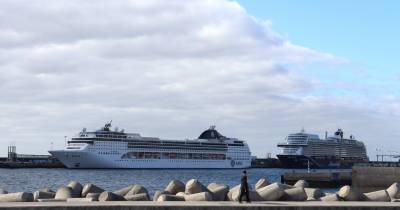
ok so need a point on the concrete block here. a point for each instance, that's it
(261, 183)
(348, 193)
(166, 197)
(137, 197)
(330, 197)
(193, 186)
(43, 195)
(231, 191)
(272, 192)
(47, 189)
(295, 194)
(109, 196)
(91, 188)
(64, 193)
(313, 193)
(16, 197)
(253, 195)
(394, 190)
(137, 189)
(284, 186)
(301, 183)
(2, 191)
(158, 193)
(182, 194)
(80, 199)
(123, 191)
(218, 191)
(94, 196)
(76, 189)
(201, 196)
(175, 186)
(381, 195)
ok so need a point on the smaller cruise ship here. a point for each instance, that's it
(304, 150)
(107, 148)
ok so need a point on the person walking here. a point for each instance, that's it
(244, 188)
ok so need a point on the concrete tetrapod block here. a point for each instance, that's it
(17, 197)
(2, 191)
(91, 188)
(76, 189)
(394, 190)
(295, 194)
(284, 186)
(47, 189)
(348, 193)
(218, 191)
(158, 193)
(381, 195)
(109, 196)
(193, 186)
(94, 196)
(253, 195)
(80, 200)
(330, 197)
(137, 189)
(123, 191)
(64, 193)
(272, 192)
(261, 183)
(166, 197)
(175, 186)
(313, 193)
(137, 197)
(201, 196)
(301, 183)
(43, 195)
(231, 191)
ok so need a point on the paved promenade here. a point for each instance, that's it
(148, 205)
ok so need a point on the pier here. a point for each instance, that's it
(329, 179)
(15, 160)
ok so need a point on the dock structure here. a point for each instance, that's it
(15, 160)
(176, 205)
(376, 177)
(327, 179)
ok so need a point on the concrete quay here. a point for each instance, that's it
(176, 205)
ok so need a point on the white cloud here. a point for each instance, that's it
(162, 68)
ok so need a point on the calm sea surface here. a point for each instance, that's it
(31, 180)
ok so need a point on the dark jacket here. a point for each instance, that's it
(244, 184)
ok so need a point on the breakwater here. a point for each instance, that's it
(194, 191)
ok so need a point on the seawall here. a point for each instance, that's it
(366, 178)
(141, 205)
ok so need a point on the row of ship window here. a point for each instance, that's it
(173, 155)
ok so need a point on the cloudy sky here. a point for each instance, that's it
(170, 69)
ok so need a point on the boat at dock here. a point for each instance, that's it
(107, 148)
(303, 150)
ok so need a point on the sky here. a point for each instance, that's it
(258, 70)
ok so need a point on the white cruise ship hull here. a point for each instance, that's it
(83, 159)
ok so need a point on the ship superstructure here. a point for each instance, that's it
(303, 150)
(105, 148)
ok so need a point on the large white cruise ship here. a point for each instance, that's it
(105, 148)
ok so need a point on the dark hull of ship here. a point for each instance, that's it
(316, 162)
